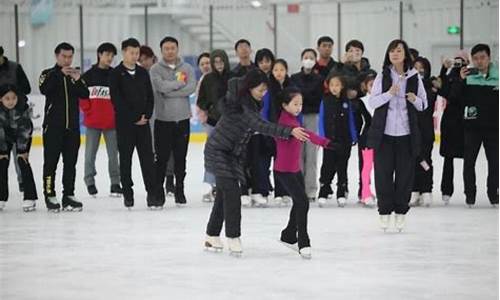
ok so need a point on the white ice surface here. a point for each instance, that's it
(106, 252)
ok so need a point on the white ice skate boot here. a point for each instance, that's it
(29, 205)
(384, 222)
(426, 199)
(234, 245)
(213, 243)
(246, 201)
(259, 200)
(2, 205)
(306, 253)
(322, 202)
(399, 222)
(287, 201)
(415, 199)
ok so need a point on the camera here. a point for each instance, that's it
(472, 71)
(457, 63)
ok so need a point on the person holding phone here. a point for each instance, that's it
(478, 92)
(62, 87)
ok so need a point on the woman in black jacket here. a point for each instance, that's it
(452, 126)
(225, 153)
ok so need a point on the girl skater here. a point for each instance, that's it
(15, 131)
(225, 153)
(288, 173)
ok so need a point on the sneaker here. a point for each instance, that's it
(415, 199)
(2, 205)
(305, 253)
(116, 191)
(259, 200)
(234, 245)
(92, 190)
(246, 201)
(29, 205)
(213, 243)
(446, 199)
(52, 204)
(322, 202)
(426, 199)
(341, 201)
(399, 222)
(70, 203)
(384, 222)
(369, 202)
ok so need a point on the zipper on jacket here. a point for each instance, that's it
(66, 96)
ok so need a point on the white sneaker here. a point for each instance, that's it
(446, 199)
(384, 222)
(322, 202)
(341, 201)
(426, 199)
(287, 200)
(306, 252)
(369, 202)
(246, 201)
(207, 197)
(259, 200)
(29, 205)
(234, 245)
(213, 243)
(399, 222)
(2, 205)
(415, 199)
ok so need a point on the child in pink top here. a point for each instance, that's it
(289, 174)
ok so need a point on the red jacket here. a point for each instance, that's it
(98, 111)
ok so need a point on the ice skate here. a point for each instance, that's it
(70, 203)
(415, 199)
(52, 204)
(399, 222)
(305, 253)
(426, 199)
(246, 201)
(234, 245)
(259, 200)
(384, 222)
(29, 205)
(213, 243)
(115, 191)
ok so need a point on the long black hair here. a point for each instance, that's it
(252, 79)
(426, 64)
(407, 63)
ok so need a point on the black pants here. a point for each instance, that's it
(26, 173)
(130, 137)
(226, 208)
(423, 179)
(335, 162)
(171, 138)
(57, 142)
(447, 177)
(394, 174)
(473, 141)
(296, 229)
(259, 155)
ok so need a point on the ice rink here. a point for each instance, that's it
(107, 252)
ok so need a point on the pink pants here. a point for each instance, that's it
(365, 173)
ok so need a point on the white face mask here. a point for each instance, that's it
(308, 63)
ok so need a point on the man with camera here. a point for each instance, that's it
(478, 91)
(62, 87)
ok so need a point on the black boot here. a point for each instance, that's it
(128, 198)
(180, 198)
(70, 203)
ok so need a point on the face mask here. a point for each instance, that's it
(308, 63)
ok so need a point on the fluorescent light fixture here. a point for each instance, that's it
(256, 4)
(21, 43)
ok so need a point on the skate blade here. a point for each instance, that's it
(237, 254)
(54, 210)
(210, 248)
(115, 195)
(29, 209)
(305, 256)
(181, 205)
(72, 209)
(94, 196)
(294, 247)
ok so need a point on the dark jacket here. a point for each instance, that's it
(240, 71)
(132, 96)
(213, 87)
(61, 98)
(426, 117)
(479, 96)
(15, 127)
(225, 150)
(311, 87)
(362, 119)
(325, 70)
(12, 73)
(335, 121)
(452, 121)
(377, 127)
(352, 75)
